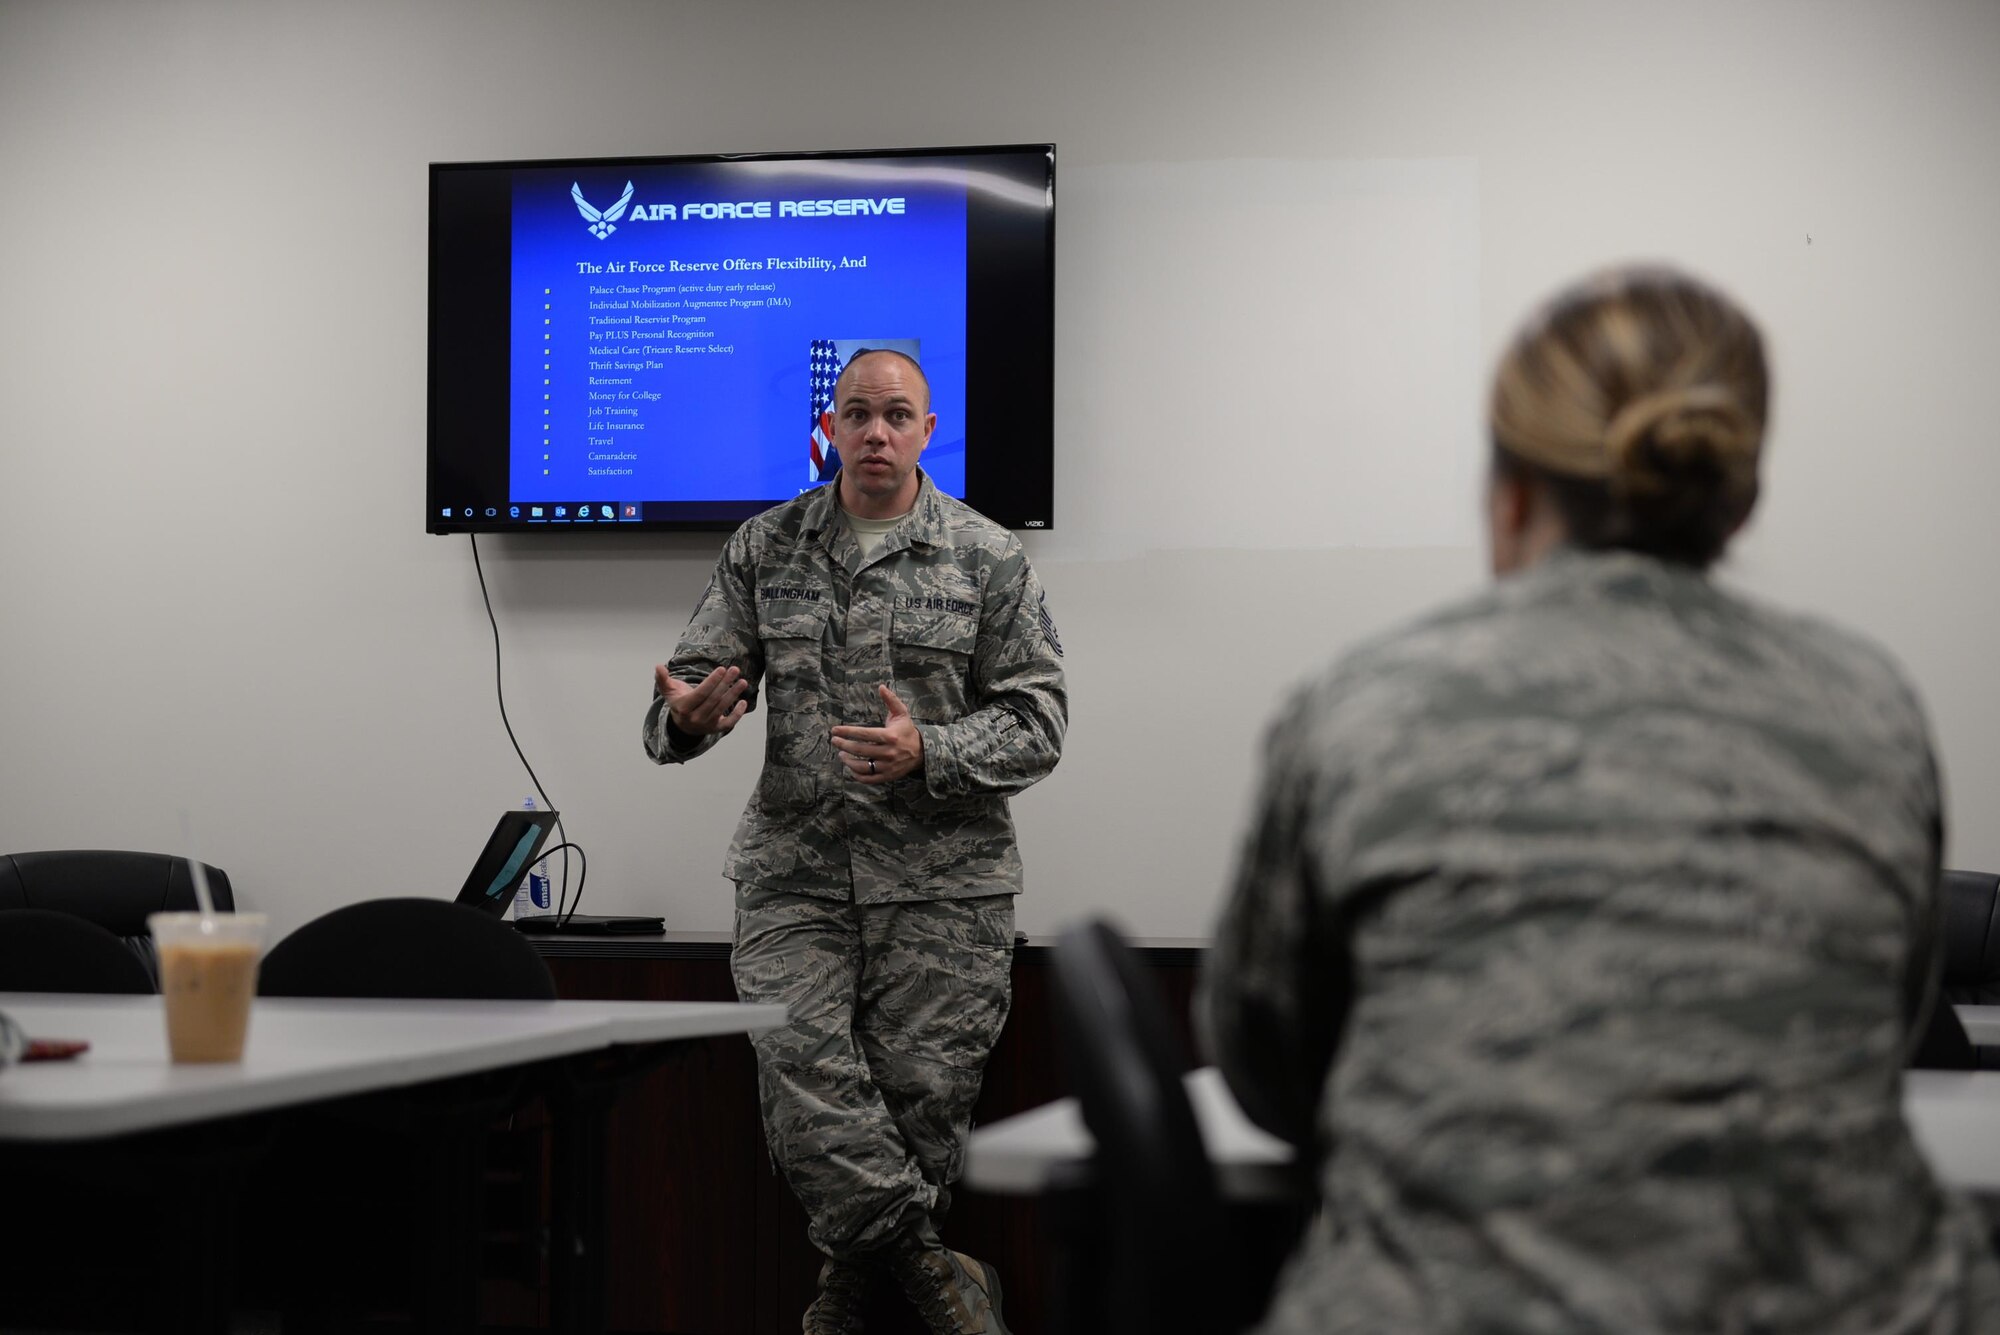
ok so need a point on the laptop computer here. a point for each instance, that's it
(516, 840)
(497, 871)
(592, 924)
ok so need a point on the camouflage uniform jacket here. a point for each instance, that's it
(948, 614)
(1579, 933)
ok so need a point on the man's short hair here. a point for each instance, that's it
(904, 357)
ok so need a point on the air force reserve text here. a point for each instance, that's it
(762, 208)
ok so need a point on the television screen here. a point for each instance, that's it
(651, 343)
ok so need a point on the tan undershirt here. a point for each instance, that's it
(870, 532)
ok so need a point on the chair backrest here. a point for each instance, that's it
(406, 948)
(1158, 1189)
(114, 888)
(1971, 944)
(1945, 1045)
(42, 950)
(1969, 968)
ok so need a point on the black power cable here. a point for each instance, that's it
(582, 875)
(500, 693)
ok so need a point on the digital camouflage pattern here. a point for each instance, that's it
(949, 615)
(868, 1089)
(1618, 893)
(880, 915)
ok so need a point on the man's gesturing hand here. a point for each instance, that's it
(717, 704)
(878, 755)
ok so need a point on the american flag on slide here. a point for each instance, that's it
(823, 461)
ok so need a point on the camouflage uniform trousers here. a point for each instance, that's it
(867, 1091)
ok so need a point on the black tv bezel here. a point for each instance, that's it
(1012, 396)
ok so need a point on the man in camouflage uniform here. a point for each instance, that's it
(875, 864)
(1616, 895)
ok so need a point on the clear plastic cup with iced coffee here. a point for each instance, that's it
(208, 974)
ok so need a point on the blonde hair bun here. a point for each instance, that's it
(1643, 392)
(1699, 431)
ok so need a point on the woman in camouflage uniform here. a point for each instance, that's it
(1583, 926)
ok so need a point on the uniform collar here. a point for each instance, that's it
(1612, 572)
(925, 523)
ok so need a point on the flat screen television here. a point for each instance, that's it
(650, 343)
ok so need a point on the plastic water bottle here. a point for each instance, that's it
(532, 899)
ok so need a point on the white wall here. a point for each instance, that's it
(215, 591)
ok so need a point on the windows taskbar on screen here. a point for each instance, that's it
(655, 515)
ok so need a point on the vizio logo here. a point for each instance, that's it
(600, 222)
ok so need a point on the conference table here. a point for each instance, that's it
(305, 1053)
(1982, 1024)
(1954, 1115)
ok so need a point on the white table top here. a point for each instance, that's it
(1954, 1115)
(1017, 1156)
(1982, 1024)
(303, 1050)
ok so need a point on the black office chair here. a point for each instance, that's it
(1970, 970)
(406, 948)
(45, 951)
(436, 1135)
(1971, 937)
(113, 888)
(1945, 1045)
(1150, 1197)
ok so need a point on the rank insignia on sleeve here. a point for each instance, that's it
(1049, 627)
(702, 601)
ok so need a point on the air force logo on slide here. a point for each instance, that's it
(600, 221)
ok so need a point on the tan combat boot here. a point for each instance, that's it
(954, 1294)
(837, 1308)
